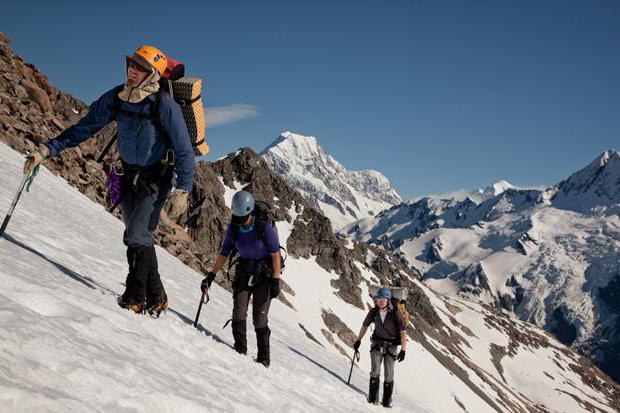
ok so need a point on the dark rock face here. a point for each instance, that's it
(562, 329)
(607, 352)
(338, 327)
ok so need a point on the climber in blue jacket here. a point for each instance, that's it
(151, 138)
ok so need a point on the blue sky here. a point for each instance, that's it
(437, 95)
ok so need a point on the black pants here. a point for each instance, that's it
(144, 192)
(257, 285)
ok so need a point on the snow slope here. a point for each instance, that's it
(546, 255)
(66, 346)
(344, 196)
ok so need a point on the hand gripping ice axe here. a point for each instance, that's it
(26, 182)
(203, 300)
(356, 357)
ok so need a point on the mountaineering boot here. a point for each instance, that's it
(134, 304)
(262, 342)
(158, 305)
(388, 387)
(241, 342)
(373, 390)
(156, 298)
(134, 297)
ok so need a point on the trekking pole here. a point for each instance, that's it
(28, 177)
(203, 300)
(106, 148)
(356, 357)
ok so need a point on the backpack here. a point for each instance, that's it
(262, 213)
(186, 92)
(398, 300)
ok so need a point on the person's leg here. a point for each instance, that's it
(260, 311)
(241, 299)
(156, 297)
(375, 372)
(388, 382)
(136, 208)
(141, 208)
(133, 295)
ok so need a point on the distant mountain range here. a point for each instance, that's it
(550, 256)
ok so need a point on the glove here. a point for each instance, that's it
(275, 287)
(178, 204)
(206, 283)
(401, 356)
(356, 345)
(35, 159)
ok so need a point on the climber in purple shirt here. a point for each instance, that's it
(257, 271)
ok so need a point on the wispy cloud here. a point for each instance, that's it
(222, 115)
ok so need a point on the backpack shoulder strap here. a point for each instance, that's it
(260, 227)
(395, 311)
(155, 111)
(116, 107)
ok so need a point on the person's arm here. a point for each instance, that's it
(174, 125)
(362, 332)
(273, 244)
(403, 340)
(100, 113)
(219, 263)
(275, 262)
(365, 324)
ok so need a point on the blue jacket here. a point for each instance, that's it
(139, 142)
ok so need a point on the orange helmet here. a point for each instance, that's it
(153, 57)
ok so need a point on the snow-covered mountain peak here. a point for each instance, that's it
(344, 196)
(477, 195)
(610, 155)
(496, 188)
(595, 186)
(288, 142)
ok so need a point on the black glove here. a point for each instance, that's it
(356, 345)
(206, 283)
(401, 356)
(275, 287)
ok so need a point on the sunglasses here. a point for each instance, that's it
(135, 65)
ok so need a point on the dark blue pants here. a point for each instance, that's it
(141, 206)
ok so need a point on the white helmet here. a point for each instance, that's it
(242, 205)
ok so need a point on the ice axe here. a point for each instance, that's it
(203, 300)
(356, 357)
(27, 179)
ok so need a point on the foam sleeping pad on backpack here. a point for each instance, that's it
(186, 92)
